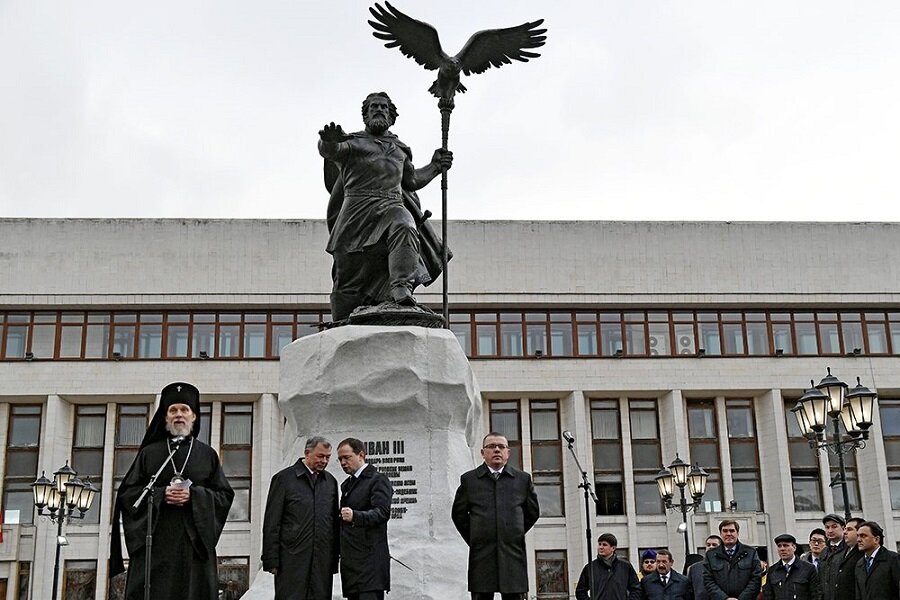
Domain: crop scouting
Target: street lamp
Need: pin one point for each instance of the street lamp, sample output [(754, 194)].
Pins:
[(62, 497), (680, 474), (853, 409)]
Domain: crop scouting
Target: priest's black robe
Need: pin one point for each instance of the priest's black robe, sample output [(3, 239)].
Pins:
[(301, 533), (184, 538)]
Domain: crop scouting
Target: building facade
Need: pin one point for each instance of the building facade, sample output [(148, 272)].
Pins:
[(645, 340)]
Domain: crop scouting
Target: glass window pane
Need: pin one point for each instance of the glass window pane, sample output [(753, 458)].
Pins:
[(807, 493), (877, 337), (828, 336), (544, 425), (123, 340), (610, 498), (605, 424), (240, 507), (25, 430), (610, 338), (537, 339), (549, 493), (552, 577), (733, 338), (506, 423), (746, 493), (740, 422), (487, 340), (806, 339), (890, 418), (781, 334), (22, 501), (684, 335), (587, 340), (177, 344), (89, 431), (743, 455), (150, 342), (43, 339), (546, 458), (22, 464), (646, 456), (705, 454), (131, 430), (511, 339), (16, 338), (646, 498), (643, 425), (70, 342), (229, 341), (701, 422), (853, 339), (204, 340), (254, 341), (636, 340), (237, 430), (282, 335), (607, 457), (709, 338), (561, 339), (757, 339), (236, 463), (659, 339)]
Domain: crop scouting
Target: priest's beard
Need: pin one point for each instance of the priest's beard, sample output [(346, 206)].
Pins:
[(176, 429), (377, 125)]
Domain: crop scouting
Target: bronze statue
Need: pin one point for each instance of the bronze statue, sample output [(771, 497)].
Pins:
[(382, 245)]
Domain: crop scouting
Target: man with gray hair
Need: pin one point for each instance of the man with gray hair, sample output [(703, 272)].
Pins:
[(301, 526)]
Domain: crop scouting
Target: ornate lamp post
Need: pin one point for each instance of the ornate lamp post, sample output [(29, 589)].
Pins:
[(853, 409), (61, 497), (680, 474)]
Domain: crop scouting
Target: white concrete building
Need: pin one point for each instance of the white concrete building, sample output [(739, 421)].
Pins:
[(645, 340)]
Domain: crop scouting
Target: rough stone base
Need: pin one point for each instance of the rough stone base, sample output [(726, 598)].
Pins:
[(410, 394)]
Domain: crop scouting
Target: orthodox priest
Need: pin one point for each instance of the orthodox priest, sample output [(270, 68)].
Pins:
[(190, 500), (381, 243)]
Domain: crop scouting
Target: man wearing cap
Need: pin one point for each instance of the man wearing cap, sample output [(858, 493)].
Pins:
[(190, 501), (791, 578), (837, 569), (834, 534), (648, 563), (732, 570), (878, 569), (301, 526), (665, 583)]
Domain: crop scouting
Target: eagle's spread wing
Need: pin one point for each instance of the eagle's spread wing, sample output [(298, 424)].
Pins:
[(498, 47), (416, 39)]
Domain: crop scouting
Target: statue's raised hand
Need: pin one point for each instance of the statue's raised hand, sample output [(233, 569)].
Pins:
[(333, 133)]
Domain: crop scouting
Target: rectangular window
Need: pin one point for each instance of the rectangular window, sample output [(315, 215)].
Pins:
[(22, 451), (889, 409), (234, 576), (876, 333), (43, 335), (708, 329), (546, 457), (659, 338), (124, 328), (804, 466), (15, 335), (486, 334), (80, 580), (586, 330), (611, 336), (505, 418), (87, 449), (237, 456), (552, 573), (646, 456), (97, 336), (607, 446), (561, 334), (744, 454), (703, 437), (24, 580), (461, 326), (131, 425)]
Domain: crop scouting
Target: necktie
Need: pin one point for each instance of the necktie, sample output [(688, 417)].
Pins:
[(869, 562), (729, 552), (496, 475), (665, 580), (315, 476), (815, 562), (787, 569)]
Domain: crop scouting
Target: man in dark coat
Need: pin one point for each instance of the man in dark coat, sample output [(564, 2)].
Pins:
[(607, 577), (301, 526), (696, 570), (837, 571), (665, 583), (878, 569), (791, 578), (190, 502), (495, 505), (365, 510), (732, 570)]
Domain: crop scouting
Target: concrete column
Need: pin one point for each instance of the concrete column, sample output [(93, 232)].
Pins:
[(628, 479), (106, 499), (774, 460)]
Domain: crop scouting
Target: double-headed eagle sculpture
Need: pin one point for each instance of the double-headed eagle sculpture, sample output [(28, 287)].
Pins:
[(485, 49)]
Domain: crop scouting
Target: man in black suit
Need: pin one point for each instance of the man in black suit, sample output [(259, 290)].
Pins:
[(878, 569), (733, 569), (837, 571), (791, 578), (495, 505), (665, 583), (365, 510)]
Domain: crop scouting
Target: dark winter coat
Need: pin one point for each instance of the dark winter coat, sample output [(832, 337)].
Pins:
[(802, 583), (365, 558), (301, 533), (882, 582), (695, 575), (615, 582), (493, 517), (737, 577), (678, 587), (837, 573)]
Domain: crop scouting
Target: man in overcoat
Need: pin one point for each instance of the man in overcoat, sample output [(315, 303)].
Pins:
[(837, 571), (733, 569), (495, 505), (301, 526), (791, 578), (665, 583), (365, 511), (878, 569)]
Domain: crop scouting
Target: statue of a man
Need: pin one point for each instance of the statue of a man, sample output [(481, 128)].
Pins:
[(381, 244)]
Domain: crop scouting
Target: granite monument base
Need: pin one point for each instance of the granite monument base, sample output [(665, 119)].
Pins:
[(410, 395)]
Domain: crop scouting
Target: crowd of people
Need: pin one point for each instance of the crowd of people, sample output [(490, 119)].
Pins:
[(176, 491), (846, 560)]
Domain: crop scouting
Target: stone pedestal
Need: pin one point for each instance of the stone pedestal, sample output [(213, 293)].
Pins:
[(410, 395)]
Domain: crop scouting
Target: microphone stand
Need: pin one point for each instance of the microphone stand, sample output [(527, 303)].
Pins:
[(588, 495), (148, 489)]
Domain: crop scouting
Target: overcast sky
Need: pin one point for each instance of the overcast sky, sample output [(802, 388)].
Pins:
[(636, 110)]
